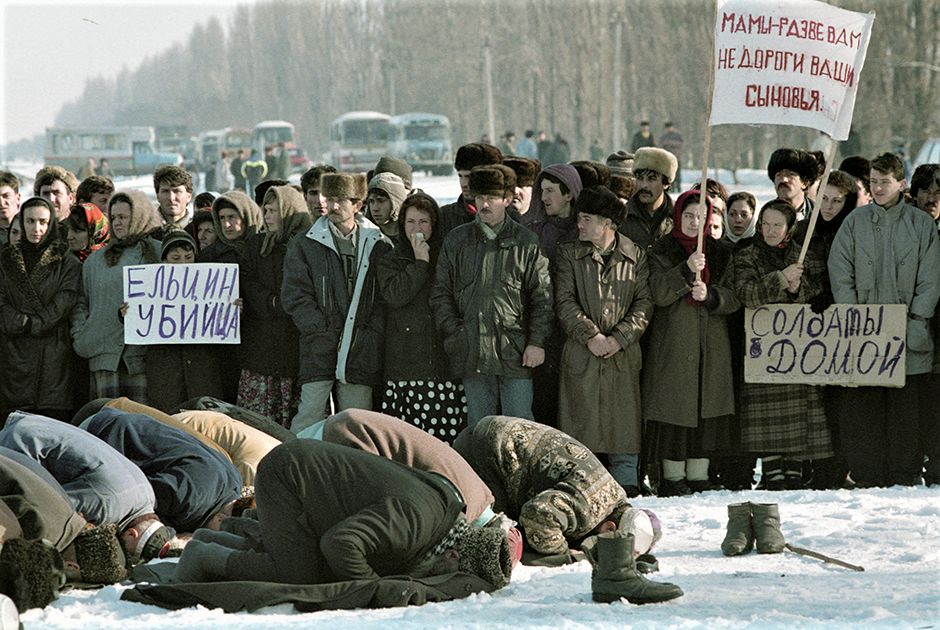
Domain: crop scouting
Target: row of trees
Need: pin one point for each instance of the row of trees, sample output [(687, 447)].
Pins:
[(552, 70)]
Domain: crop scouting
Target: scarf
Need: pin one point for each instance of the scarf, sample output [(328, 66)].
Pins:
[(690, 243), (99, 232)]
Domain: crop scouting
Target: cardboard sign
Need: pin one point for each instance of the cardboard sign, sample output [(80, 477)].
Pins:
[(848, 344), (181, 304), (788, 62)]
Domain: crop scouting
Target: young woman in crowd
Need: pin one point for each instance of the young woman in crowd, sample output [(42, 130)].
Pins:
[(88, 230), (270, 340), (417, 385), (783, 423), (97, 329), (39, 286), (741, 218), (688, 394)]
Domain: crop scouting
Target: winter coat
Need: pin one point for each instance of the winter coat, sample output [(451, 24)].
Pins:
[(191, 481), (178, 372), (270, 339), (397, 440), (891, 257), (225, 250), (491, 299), (462, 212), (330, 513), (410, 334), (38, 501), (244, 444), (35, 343), (687, 375), (599, 399), (106, 487), (645, 229), (341, 335), (552, 484)]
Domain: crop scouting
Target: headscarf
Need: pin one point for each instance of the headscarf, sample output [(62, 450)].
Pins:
[(394, 187), (294, 217), (749, 231), (32, 252), (144, 219), (247, 209), (785, 208), (690, 243), (97, 226)]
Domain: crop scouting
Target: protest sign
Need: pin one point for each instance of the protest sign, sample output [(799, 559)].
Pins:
[(847, 344), (788, 62), (181, 304)]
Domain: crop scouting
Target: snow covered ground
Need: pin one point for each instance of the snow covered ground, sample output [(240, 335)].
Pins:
[(893, 533)]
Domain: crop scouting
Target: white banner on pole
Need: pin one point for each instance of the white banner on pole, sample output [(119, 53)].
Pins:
[(181, 304), (788, 62)]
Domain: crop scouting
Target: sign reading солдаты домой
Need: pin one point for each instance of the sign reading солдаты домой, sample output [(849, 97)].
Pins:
[(185, 303), (847, 344)]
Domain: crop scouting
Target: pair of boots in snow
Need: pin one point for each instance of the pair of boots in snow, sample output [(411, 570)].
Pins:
[(615, 575), (753, 522)]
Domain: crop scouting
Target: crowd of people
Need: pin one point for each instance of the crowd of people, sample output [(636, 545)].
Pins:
[(565, 327)]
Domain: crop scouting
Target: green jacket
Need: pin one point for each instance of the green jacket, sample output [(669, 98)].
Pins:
[(491, 299)]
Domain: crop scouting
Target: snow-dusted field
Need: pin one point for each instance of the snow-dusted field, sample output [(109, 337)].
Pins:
[(893, 533)]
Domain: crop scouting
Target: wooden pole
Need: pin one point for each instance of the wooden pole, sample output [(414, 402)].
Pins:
[(702, 207), (834, 145)]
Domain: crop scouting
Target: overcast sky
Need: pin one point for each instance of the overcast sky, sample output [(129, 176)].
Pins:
[(50, 48)]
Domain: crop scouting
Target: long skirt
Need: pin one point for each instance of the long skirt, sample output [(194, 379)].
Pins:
[(275, 397), (787, 419), (438, 407)]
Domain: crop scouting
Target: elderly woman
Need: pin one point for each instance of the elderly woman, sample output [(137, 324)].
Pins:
[(97, 330), (417, 385), (688, 394), (784, 423), (236, 217), (39, 286), (88, 230), (270, 339)]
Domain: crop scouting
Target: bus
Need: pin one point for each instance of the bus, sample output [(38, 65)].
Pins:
[(129, 150), (358, 140), (422, 140), (270, 132), (210, 144)]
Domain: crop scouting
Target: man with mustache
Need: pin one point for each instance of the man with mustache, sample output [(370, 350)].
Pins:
[(649, 210), (925, 190), (793, 171)]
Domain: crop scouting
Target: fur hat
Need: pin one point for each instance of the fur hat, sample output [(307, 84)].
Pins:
[(496, 180), (101, 554), (592, 173), (175, 238), (388, 164), (393, 186), (525, 168), (344, 186), (476, 154), (484, 552), (31, 573), (602, 202), (658, 160), (623, 186), (620, 163), (797, 160)]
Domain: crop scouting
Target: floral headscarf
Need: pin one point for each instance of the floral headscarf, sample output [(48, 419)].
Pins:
[(99, 231)]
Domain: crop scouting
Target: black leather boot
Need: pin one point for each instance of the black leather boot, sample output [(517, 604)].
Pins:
[(615, 575)]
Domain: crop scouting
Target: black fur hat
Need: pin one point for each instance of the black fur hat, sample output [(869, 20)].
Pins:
[(526, 169), (31, 573), (496, 179), (602, 202), (592, 173), (101, 555), (476, 154), (796, 160)]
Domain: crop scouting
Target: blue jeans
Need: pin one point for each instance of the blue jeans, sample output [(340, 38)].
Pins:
[(622, 467), (314, 396), (493, 395)]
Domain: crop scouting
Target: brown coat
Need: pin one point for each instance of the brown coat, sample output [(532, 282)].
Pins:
[(687, 375), (599, 399)]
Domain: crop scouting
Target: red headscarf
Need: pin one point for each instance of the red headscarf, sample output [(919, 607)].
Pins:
[(690, 243), (98, 230)]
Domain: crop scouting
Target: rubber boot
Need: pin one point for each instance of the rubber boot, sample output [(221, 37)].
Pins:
[(765, 521), (615, 576), (740, 537)]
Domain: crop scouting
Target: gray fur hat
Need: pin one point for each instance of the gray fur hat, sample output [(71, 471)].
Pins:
[(484, 552), (658, 160), (101, 554)]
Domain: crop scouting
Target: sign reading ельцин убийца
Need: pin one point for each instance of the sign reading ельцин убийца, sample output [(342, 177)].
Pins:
[(847, 344), (185, 303)]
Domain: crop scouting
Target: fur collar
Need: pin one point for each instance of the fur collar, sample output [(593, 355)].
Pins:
[(14, 268)]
